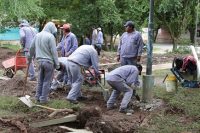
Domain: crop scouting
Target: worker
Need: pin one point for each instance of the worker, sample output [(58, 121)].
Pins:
[(123, 79), (130, 46), (67, 46), (27, 33), (58, 81), (186, 64), (68, 43), (43, 48), (84, 56)]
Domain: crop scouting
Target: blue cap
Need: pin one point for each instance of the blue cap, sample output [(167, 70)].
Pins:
[(129, 23)]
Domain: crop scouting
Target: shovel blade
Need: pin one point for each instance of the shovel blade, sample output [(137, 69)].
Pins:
[(106, 94), (26, 100)]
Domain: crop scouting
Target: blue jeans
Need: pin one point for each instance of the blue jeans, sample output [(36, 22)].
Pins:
[(45, 75), (118, 87), (128, 61)]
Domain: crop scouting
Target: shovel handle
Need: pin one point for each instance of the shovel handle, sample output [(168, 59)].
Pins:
[(25, 80), (45, 107)]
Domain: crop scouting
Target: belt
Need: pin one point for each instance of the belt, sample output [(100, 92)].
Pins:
[(74, 62), (81, 67)]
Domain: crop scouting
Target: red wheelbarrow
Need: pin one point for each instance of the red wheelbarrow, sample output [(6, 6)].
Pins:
[(13, 64)]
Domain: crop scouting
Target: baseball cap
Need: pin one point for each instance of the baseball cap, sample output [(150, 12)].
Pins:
[(99, 28), (129, 23), (65, 26), (23, 23)]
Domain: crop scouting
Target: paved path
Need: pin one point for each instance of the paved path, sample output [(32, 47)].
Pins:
[(158, 67)]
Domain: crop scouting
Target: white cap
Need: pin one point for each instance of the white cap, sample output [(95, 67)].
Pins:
[(99, 28)]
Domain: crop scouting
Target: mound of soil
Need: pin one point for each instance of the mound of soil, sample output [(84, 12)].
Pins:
[(86, 113), (15, 86), (12, 126)]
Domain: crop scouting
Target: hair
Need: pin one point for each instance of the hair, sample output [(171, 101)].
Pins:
[(139, 67)]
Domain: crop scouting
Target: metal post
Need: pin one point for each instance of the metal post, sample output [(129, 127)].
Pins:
[(148, 79), (150, 39)]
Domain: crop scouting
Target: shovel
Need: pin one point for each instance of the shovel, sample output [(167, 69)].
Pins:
[(105, 91), (25, 79), (26, 100)]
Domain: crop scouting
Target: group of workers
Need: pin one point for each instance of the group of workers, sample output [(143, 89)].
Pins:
[(42, 47)]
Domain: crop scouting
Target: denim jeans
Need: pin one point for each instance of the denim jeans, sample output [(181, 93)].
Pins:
[(45, 76)]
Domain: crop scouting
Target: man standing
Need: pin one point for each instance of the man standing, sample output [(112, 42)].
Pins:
[(84, 56), (123, 79), (67, 46), (68, 43), (27, 33), (94, 36), (130, 47), (99, 40), (44, 49)]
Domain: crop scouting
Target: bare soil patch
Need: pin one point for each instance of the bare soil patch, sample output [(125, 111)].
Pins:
[(102, 121)]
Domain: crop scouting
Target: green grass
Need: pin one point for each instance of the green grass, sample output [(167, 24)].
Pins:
[(161, 73), (12, 105), (61, 104), (185, 106), (10, 46), (184, 100)]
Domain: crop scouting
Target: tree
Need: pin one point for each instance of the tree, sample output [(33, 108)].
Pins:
[(18, 9), (175, 15)]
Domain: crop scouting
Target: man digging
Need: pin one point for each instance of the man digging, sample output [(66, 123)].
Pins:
[(123, 79)]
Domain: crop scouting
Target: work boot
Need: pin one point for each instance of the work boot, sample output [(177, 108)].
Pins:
[(72, 101), (112, 107), (33, 79), (82, 98), (125, 111)]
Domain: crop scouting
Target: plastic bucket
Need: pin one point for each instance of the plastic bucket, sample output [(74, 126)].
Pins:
[(171, 83)]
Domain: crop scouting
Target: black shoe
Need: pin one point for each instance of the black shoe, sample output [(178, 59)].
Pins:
[(112, 107), (125, 111), (72, 101), (137, 97), (82, 98)]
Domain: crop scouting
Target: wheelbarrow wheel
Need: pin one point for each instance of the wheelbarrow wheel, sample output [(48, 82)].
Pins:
[(9, 73)]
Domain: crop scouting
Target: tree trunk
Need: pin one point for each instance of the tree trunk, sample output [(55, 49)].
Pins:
[(105, 42), (192, 34), (156, 34), (114, 41), (42, 22), (174, 44)]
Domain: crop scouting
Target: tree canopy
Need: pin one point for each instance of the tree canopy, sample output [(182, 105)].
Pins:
[(110, 15)]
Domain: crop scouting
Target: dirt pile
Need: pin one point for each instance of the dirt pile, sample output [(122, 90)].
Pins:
[(12, 126), (86, 113), (15, 86)]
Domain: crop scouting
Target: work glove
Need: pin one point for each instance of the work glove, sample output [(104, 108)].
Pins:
[(134, 87), (61, 67)]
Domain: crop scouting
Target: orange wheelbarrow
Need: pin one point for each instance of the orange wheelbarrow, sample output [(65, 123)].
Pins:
[(13, 64)]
